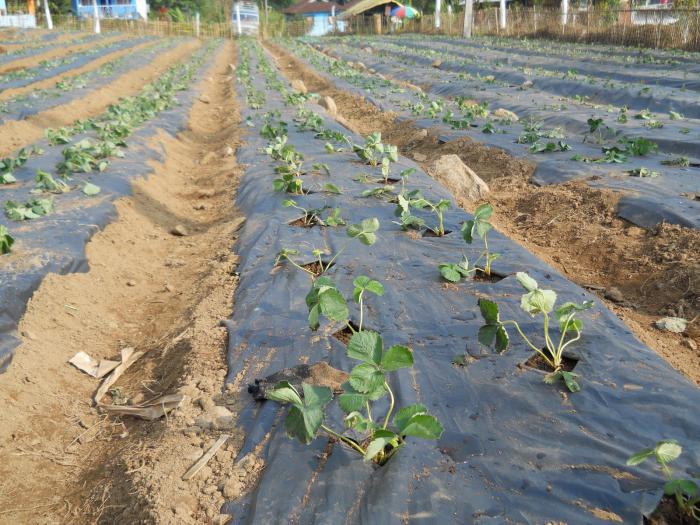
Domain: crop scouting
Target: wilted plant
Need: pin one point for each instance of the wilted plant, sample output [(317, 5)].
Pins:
[(312, 216), (379, 192), (44, 182), (686, 492), (33, 209), (537, 301), (6, 240)]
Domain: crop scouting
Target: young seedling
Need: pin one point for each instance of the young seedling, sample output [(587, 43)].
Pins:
[(686, 492), (6, 240), (313, 216), (365, 232), (438, 208), (537, 301), (455, 272), (366, 384), (480, 226), (364, 284), (373, 152), (403, 210)]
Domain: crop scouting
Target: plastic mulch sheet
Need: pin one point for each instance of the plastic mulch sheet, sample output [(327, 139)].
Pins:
[(514, 450)]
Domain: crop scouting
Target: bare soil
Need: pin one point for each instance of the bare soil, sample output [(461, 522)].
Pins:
[(573, 227), (17, 133), (90, 66), (63, 460), (56, 51)]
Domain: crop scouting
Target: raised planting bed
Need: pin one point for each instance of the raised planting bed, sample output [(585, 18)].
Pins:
[(497, 443), (651, 157), (59, 192)]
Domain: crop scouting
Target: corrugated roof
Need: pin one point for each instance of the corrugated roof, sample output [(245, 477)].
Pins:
[(306, 7), (355, 8)]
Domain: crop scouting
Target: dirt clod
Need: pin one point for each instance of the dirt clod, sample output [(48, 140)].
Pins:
[(614, 294), (458, 177), (179, 231)]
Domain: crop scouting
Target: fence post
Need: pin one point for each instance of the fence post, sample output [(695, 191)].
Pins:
[(564, 12), (468, 18), (502, 12), (96, 14), (196, 24), (47, 12), (238, 18), (437, 14)]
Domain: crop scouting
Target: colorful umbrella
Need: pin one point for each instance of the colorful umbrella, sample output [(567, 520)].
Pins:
[(405, 11)]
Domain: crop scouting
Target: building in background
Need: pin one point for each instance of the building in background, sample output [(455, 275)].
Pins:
[(127, 9), (245, 18), (319, 14), (18, 14)]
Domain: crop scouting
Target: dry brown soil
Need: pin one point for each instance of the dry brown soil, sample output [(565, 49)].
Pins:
[(63, 50), (17, 133), (164, 294), (90, 66), (572, 226)]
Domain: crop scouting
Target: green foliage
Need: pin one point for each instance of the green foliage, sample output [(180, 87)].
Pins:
[(365, 232), (536, 301), (6, 240), (686, 492), (367, 383), (373, 151), (44, 182), (32, 209), (479, 227)]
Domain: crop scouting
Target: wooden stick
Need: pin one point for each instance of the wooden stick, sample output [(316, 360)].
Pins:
[(206, 457)]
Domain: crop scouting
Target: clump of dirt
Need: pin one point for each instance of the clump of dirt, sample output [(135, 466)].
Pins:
[(573, 226)]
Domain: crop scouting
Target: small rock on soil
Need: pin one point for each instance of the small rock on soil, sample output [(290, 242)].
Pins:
[(677, 325), (458, 177)]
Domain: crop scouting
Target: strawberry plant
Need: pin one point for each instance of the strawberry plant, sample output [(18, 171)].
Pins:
[(549, 147), (33, 209), (365, 232), (9, 164), (312, 216), (686, 492), (639, 146), (6, 240), (57, 136), (455, 272), (373, 152), (379, 192), (537, 301), (480, 226), (438, 208), (44, 182), (367, 384)]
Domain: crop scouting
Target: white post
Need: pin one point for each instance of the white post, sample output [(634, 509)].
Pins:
[(196, 24), (333, 18), (47, 12), (238, 18), (564, 11), (449, 19), (437, 14), (502, 13), (468, 18), (96, 14)]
